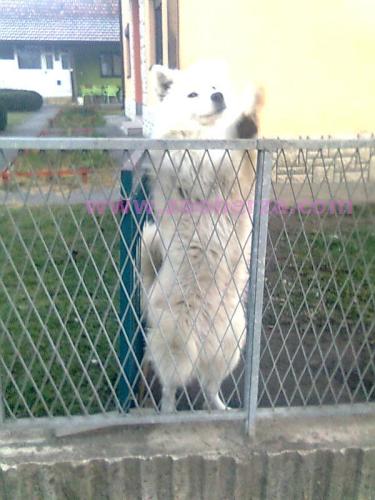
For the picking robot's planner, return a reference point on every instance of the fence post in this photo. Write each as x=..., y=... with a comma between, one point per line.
x=130, y=314
x=2, y=409
x=256, y=285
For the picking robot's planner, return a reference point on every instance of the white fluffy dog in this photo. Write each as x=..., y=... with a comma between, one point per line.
x=194, y=261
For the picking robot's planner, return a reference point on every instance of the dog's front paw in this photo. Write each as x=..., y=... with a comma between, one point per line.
x=247, y=127
x=248, y=121
x=215, y=404
x=168, y=400
x=167, y=407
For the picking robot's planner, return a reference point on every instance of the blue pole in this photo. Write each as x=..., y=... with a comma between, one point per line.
x=131, y=335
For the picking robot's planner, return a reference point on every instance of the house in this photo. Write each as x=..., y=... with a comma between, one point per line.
x=313, y=59
x=57, y=46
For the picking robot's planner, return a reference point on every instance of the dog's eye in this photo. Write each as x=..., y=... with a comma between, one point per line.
x=193, y=94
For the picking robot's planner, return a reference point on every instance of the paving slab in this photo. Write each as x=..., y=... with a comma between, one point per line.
x=31, y=127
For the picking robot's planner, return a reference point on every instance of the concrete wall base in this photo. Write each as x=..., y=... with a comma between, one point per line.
x=298, y=458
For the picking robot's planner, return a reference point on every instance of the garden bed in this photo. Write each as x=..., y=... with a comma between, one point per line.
x=78, y=118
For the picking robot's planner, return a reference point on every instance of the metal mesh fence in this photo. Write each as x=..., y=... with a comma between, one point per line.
x=124, y=276
x=318, y=333
x=59, y=282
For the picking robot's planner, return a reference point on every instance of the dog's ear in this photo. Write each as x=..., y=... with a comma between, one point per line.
x=163, y=79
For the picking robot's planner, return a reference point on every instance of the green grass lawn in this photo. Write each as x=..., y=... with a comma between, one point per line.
x=343, y=261
x=46, y=318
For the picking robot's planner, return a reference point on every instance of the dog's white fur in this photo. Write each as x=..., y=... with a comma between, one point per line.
x=194, y=265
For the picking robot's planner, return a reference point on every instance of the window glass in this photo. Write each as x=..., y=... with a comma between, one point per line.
x=117, y=65
x=106, y=65
x=49, y=61
x=29, y=58
x=127, y=49
x=158, y=34
x=110, y=65
x=65, y=61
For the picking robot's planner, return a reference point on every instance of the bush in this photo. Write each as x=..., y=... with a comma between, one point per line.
x=3, y=117
x=20, y=100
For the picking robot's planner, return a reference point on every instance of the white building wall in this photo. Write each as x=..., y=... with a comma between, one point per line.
x=130, y=106
x=50, y=83
x=147, y=123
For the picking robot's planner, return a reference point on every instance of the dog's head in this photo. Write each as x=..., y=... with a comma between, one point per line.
x=200, y=93
x=194, y=99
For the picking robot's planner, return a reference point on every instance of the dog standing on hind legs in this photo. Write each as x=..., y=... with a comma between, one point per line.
x=194, y=264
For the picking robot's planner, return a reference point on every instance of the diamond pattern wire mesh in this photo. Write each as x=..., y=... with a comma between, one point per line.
x=62, y=343
x=61, y=273
x=58, y=284
x=318, y=333
x=188, y=278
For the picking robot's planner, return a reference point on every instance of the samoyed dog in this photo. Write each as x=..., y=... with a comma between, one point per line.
x=194, y=257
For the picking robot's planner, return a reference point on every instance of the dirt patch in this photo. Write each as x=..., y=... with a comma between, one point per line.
x=318, y=338
x=318, y=332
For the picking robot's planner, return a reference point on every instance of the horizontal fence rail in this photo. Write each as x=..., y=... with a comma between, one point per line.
x=260, y=259
x=59, y=143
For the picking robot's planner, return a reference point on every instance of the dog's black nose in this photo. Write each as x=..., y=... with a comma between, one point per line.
x=217, y=98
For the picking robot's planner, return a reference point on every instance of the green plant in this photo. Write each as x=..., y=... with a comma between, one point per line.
x=20, y=100
x=83, y=117
x=3, y=117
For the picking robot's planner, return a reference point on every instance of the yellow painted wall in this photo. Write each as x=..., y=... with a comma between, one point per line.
x=314, y=58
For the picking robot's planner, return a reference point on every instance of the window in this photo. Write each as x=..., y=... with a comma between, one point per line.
x=173, y=33
x=110, y=65
x=65, y=61
x=29, y=58
x=158, y=32
x=6, y=52
x=128, y=55
x=164, y=16
x=49, y=61
x=117, y=65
